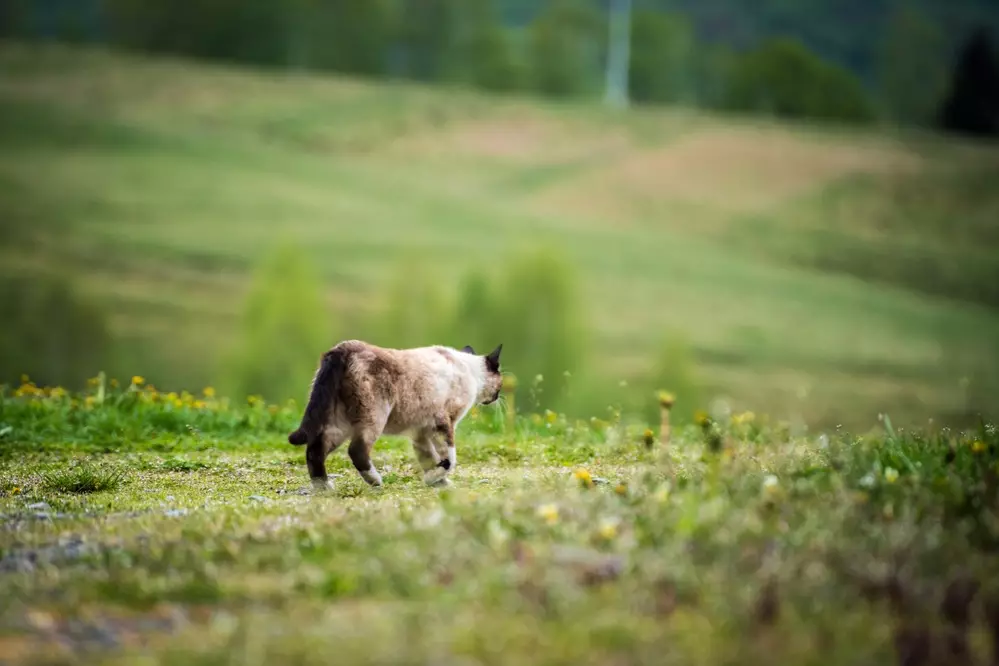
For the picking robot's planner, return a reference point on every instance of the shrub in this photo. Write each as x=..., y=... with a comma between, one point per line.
x=285, y=328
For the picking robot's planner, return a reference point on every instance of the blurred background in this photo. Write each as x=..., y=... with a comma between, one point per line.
x=787, y=207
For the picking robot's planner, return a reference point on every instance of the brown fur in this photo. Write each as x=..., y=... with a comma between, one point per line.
x=361, y=391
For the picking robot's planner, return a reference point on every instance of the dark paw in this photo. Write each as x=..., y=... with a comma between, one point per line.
x=446, y=463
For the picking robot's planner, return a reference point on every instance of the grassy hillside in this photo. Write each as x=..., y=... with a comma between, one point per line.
x=814, y=272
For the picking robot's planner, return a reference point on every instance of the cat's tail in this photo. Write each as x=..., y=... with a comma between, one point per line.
x=325, y=390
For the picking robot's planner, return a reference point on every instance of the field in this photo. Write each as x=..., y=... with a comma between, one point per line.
x=141, y=527
x=819, y=274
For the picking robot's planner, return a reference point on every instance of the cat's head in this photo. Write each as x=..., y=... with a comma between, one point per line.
x=489, y=392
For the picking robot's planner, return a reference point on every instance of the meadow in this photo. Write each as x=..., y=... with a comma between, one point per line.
x=149, y=527
x=820, y=274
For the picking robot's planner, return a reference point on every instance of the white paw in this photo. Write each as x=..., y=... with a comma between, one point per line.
x=372, y=477
x=435, y=476
x=322, y=485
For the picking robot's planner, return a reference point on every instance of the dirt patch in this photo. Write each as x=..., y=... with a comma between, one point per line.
x=527, y=140
x=736, y=170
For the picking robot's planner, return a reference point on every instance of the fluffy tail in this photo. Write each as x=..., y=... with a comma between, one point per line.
x=325, y=390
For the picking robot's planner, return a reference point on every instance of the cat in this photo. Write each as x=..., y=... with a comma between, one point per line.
x=361, y=391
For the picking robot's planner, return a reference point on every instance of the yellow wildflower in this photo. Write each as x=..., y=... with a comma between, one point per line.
x=649, y=437
x=549, y=512
x=666, y=399
x=114, y=383
x=138, y=380
x=209, y=392
x=621, y=488
x=608, y=528
x=90, y=401
x=550, y=416
x=199, y=404
x=583, y=476
x=16, y=490
x=701, y=418
x=978, y=446
x=891, y=475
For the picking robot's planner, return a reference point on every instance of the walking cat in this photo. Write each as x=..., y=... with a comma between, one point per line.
x=361, y=391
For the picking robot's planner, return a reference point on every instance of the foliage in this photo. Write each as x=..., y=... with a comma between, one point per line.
x=284, y=329
x=414, y=312
x=783, y=78
x=351, y=36
x=252, y=31
x=563, y=45
x=51, y=330
x=913, y=67
x=483, y=54
x=541, y=325
x=662, y=53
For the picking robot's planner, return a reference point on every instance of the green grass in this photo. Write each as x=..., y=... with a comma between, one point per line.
x=817, y=273
x=86, y=478
x=557, y=542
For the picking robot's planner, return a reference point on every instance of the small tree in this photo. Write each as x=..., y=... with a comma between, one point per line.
x=284, y=330
x=415, y=311
x=540, y=324
x=661, y=49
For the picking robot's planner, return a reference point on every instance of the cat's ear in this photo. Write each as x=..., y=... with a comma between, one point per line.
x=492, y=360
x=468, y=349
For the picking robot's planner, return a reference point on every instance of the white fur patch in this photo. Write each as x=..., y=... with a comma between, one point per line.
x=452, y=456
x=372, y=476
x=323, y=484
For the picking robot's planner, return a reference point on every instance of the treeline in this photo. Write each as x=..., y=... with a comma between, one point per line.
x=556, y=48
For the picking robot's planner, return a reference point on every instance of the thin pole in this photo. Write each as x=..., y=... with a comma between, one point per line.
x=618, y=53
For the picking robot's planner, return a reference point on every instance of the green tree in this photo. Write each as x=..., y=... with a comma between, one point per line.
x=783, y=78
x=350, y=36
x=565, y=44
x=425, y=34
x=415, y=311
x=540, y=324
x=912, y=72
x=482, y=54
x=661, y=57
x=284, y=329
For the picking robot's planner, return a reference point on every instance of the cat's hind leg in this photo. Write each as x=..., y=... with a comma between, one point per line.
x=316, y=453
x=366, y=433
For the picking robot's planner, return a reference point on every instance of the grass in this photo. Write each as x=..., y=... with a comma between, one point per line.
x=86, y=478
x=558, y=542
x=817, y=274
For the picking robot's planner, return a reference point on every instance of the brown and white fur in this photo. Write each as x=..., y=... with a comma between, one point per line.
x=361, y=391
